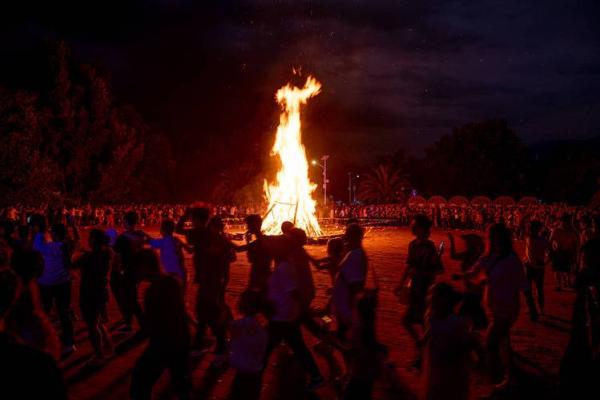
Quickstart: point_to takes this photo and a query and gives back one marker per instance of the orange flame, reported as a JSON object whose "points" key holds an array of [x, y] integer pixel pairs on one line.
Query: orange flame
{"points": [[290, 197]]}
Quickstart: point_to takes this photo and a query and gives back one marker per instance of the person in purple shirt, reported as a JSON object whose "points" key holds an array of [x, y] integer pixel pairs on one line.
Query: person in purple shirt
{"points": [[171, 251], [55, 281]]}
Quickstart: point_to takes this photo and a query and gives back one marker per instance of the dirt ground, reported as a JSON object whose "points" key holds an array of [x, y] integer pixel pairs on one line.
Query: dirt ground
{"points": [[538, 347]]}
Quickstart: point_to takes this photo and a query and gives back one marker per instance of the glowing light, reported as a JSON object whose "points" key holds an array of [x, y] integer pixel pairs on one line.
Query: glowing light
{"points": [[290, 196]]}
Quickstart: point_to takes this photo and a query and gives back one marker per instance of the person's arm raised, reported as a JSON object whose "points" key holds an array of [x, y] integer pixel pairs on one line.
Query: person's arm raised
{"points": [[180, 226], [185, 246], [471, 273]]}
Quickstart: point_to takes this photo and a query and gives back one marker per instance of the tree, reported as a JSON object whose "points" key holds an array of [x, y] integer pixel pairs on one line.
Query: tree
{"points": [[239, 184], [75, 142], [383, 184], [25, 171], [477, 158], [566, 170]]}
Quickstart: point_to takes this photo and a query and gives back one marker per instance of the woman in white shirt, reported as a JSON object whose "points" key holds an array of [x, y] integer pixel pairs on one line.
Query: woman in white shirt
{"points": [[505, 281]]}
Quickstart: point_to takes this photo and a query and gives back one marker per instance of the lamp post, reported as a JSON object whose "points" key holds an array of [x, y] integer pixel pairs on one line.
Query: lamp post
{"points": [[325, 181], [351, 189]]}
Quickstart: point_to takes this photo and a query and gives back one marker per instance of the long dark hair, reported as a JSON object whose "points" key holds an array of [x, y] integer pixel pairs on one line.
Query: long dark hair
{"points": [[502, 237]]}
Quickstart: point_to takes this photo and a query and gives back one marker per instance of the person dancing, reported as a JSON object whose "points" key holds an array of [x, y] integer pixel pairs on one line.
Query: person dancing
{"points": [[423, 265]]}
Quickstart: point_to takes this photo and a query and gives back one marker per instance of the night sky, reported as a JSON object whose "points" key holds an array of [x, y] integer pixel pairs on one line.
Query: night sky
{"points": [[396, 74]]}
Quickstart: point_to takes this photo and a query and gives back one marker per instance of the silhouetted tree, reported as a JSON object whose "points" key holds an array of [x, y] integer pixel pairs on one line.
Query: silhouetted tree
{"points": [[25, 169], [76, 142], [477, 158], [566, 170], [239, 184], [383, 184]]}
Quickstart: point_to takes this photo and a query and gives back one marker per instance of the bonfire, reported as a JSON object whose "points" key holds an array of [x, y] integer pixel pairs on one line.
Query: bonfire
{"points": [[290, 196]]}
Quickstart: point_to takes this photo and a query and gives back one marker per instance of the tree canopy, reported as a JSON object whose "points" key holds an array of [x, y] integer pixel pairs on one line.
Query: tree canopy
{"points": [[477, 158], [385, 183], [75, 142]]}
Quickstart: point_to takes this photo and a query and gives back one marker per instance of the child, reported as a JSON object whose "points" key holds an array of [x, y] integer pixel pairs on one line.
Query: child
{"points": [[366, 356], [423, 265], [537, 249], [301, 260], [248, 346], [471, 306], [448, 342], [565, 244], [95, 265], [171, 252], [335, 254]]}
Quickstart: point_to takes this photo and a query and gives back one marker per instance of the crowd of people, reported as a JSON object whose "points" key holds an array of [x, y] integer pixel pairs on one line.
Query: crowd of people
{"points": [[114, 215], [466, 216], [443, 215], [41, 248]]}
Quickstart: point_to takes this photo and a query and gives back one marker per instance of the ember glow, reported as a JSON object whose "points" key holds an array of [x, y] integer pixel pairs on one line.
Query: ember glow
{"points": [[290, 196]]}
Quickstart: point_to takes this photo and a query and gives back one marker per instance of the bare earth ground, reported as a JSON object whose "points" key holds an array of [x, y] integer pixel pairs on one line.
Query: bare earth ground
{"points": [[538, 347]]}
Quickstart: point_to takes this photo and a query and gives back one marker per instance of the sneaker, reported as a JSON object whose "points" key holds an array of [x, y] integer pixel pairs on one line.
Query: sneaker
{"points": [[315, 383]]}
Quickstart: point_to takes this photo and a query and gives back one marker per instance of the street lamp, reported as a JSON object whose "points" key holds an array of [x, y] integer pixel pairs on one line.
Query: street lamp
{"points": [[351, 189], [325, 181]]}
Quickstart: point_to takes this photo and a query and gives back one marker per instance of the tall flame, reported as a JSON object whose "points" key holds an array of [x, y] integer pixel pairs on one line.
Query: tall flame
{"points": [[290, 197]]}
